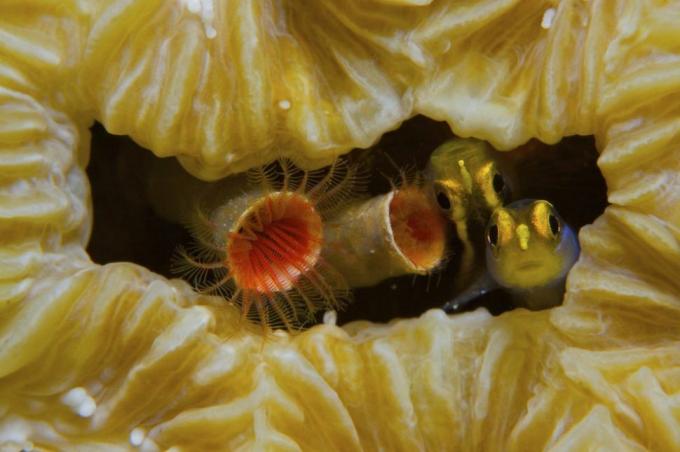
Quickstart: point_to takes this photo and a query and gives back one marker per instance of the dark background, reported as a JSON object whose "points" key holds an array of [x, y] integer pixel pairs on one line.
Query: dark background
{"points": [[126, 228]]}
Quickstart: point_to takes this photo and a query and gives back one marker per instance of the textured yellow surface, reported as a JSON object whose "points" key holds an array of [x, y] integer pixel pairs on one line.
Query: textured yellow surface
{"points": [[310, 80]]}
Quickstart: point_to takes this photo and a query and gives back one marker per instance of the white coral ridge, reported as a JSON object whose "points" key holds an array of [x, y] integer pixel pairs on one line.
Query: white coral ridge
{"points": [[548, 17], [206, 10], [80, 401], [330, 318], [137, 436]]}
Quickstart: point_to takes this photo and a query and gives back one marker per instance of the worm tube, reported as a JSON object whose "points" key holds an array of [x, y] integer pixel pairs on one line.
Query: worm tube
{"points": [[398, 233], [260, 246]]}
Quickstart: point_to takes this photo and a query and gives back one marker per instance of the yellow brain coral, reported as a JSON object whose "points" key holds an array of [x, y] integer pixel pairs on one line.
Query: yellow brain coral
{"points": [[115, 356]]}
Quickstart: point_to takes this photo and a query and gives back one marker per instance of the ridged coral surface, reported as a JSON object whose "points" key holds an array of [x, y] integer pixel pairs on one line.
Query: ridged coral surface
{"points": [[113, 356]]}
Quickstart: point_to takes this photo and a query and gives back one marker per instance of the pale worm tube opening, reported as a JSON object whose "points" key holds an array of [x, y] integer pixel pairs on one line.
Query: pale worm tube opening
{"points": [[418, 228], [398, 233]]}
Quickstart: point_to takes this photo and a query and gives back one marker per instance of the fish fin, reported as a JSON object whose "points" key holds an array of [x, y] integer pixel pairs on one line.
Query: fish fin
{"points": [[481, 286]]}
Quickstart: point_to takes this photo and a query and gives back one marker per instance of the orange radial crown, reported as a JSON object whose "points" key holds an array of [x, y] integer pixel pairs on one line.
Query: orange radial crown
{"points": [[274, 242]]}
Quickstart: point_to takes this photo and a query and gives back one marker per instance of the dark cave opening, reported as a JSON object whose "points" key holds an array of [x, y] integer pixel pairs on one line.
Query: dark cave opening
{"points": [[126, 228]]}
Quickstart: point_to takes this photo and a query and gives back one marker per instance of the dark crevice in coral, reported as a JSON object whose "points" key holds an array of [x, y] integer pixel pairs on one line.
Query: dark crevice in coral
{"points": [[126, 228], [565, 174]]}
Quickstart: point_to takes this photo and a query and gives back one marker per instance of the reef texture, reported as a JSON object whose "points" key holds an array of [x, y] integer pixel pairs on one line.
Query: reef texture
{"points": [[114, 356]]}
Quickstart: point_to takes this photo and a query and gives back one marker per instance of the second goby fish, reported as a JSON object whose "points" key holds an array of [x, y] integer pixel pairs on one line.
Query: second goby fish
{"points": [[529, 252]]}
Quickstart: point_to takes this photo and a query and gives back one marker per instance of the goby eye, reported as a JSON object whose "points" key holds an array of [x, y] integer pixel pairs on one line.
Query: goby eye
{"points": [[554, 224], [443, 200], [492, 235], [498, 183]]}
